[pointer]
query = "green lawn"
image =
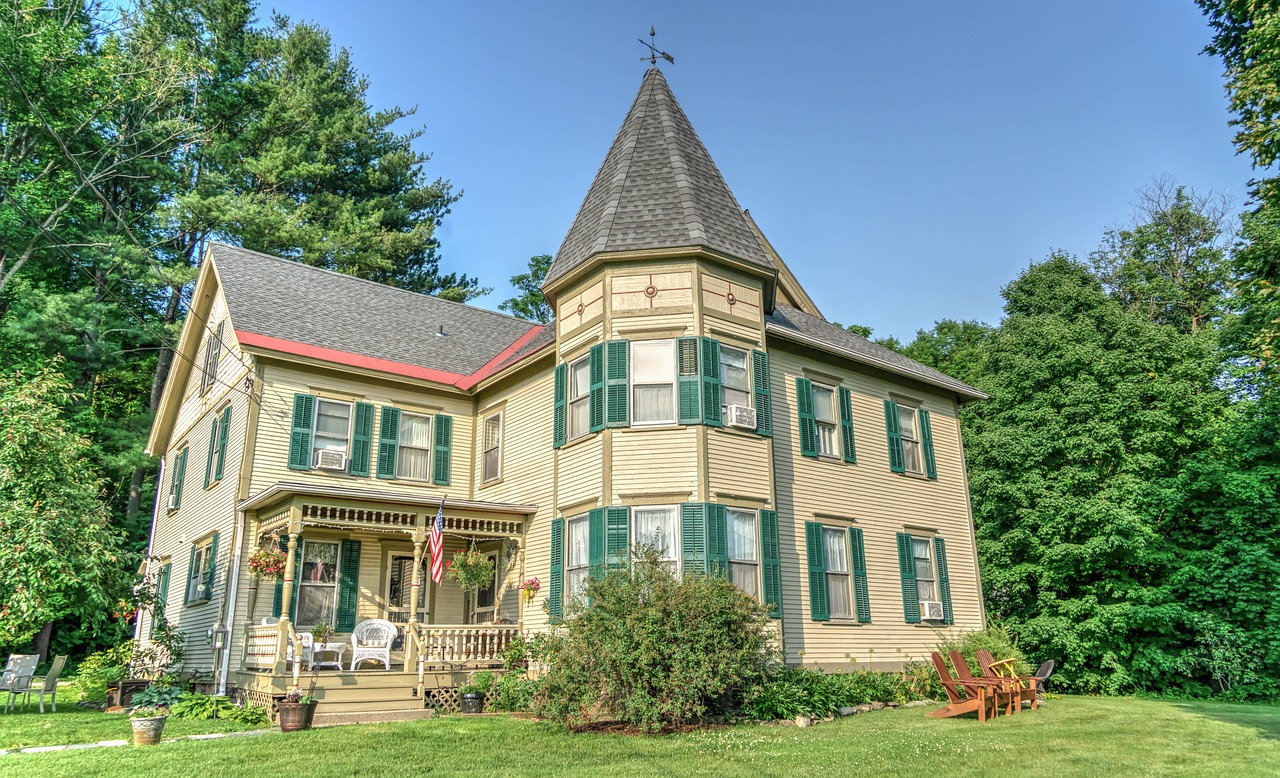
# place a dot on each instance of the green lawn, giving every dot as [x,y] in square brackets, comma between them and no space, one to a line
[1068,736]
[77,725]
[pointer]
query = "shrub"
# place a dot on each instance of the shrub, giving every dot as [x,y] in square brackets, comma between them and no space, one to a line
[201,706]
[100,669]
[155,694]
[788,692]
[250,715]
[996,638]
[481,683]
[513,692]
[651,650]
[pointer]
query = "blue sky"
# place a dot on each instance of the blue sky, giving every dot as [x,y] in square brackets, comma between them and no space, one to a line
[906,159]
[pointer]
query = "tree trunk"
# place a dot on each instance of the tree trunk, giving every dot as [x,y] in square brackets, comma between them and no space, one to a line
[41,641]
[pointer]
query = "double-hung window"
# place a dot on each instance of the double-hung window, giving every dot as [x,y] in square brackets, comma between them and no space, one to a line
[910,430]
[579,393]
[835,550]
[653,382]
[926,579]
[656,527]
[578,534]
[491,467]
[332,427]
[413,454]
[744,551]
[735,377]
[197,573]
[824,415]
[318,583]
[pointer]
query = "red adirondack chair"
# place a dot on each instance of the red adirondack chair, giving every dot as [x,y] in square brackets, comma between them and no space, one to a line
[1023,689]
[999,690]
[962,698]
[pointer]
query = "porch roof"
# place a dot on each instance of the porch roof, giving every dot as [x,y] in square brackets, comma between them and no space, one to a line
[284,489]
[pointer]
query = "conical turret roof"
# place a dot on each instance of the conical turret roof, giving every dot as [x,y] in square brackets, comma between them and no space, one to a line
[658,188]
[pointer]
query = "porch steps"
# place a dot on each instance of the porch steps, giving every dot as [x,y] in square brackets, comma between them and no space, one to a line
[338,718]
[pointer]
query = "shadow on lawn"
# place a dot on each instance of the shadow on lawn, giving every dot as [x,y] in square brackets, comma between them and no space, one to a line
[1265,719]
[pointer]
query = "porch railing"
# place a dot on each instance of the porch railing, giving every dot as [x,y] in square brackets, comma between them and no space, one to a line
[260,648]
[479,643]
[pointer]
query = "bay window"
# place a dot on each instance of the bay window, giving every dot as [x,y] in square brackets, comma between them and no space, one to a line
[653,381]
[744,552]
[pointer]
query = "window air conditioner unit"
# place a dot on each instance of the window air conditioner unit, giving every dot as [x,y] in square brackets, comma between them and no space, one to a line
[330,460]
[173,502]
[931,611]
[742,417]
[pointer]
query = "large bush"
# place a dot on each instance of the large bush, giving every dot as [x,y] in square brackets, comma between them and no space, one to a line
[652,650]
[788,692]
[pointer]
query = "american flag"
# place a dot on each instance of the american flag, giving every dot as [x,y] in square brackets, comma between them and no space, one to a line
[437,545]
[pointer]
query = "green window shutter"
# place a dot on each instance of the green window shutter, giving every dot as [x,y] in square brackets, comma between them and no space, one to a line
[846,426]
[617,352]
[388,440]
[595,402]
[804,413]
[361,440]
[211,568]
[693,537]
[764,397]
[894,433]
[348,585]
[907,570]
[204,366]
[944,577]
[818,606]
[213,443]
[688,382]
[595,540]
[223,428]
[186,581]
[617,541]
[179,478]
[555,584]
[862,598]
[559,430]
[711,406]
[926,443]
[717,540]
[442,458]
[304,407]
[771,562]
[162,595]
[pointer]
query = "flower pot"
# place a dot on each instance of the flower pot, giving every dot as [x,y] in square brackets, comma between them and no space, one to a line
[146,732]
[295,716]
[472,702]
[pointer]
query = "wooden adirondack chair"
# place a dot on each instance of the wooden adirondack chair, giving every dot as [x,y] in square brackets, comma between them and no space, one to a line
[1023,689]
[1000,691]
[973,698]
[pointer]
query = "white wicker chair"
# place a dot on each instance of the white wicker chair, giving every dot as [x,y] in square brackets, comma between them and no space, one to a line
[372,639]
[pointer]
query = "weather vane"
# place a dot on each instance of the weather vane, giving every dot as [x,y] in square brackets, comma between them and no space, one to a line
[653,50]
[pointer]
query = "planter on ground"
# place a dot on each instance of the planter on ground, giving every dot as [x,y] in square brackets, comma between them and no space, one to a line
[147,731]
[295,716]
[472,702]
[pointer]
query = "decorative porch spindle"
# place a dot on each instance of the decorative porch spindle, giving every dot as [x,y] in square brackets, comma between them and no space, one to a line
[416,586]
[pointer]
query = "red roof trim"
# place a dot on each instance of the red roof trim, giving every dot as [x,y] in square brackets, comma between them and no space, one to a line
[492,365]
[253,339]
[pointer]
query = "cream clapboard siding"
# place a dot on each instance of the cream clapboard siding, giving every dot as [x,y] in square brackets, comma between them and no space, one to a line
[281,382]
[882,503]
[651,327]
[654,465]
[739,333]
[202,511]
[738,467]
[527,404]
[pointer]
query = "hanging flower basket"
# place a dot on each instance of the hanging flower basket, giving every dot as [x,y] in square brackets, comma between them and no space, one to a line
[267,563]
[471,569]
[530,589]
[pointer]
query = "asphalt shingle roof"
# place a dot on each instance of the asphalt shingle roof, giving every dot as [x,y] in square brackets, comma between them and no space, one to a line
[787,320]
[657,188]
[285,299]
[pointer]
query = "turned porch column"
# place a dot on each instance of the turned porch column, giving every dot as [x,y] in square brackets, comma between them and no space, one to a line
[286,597]
[415,588]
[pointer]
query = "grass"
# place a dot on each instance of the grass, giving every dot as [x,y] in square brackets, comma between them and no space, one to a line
[1068,736]
[72,724]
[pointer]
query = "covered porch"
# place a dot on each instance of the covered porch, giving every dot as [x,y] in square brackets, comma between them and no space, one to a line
[361,557]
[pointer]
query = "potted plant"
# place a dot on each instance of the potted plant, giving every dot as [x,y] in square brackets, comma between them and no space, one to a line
[296,711]
[473,692]
[148,723]
[322,631]
[267,563]
[530,589]
[471,569]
